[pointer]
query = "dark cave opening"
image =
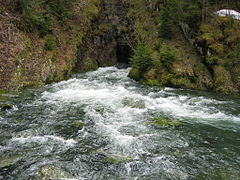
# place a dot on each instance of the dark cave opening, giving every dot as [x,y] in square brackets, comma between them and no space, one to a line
[124,52]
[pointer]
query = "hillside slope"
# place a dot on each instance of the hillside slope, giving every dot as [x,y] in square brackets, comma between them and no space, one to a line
[185,44]
[172,43]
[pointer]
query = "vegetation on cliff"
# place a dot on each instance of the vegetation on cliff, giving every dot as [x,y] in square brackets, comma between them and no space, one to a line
[42,39]
[173,43]
[174,61]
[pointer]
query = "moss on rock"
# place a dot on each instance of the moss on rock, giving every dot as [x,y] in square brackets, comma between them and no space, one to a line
[9,160]
[51,172]
[161,121]
[116,159]
[223,82]
[6,106]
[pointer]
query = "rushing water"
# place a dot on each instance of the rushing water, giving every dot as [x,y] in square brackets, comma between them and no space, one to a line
[119,139]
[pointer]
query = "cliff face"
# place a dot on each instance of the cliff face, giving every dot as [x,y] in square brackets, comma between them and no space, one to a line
[37,44]
[100,47]
[34,52]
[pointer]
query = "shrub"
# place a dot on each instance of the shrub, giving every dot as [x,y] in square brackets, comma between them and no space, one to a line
[165,25]
[61,8]
[142,57]
[35,16]
[167,57]
[213,60]
[50,43]
[41,14]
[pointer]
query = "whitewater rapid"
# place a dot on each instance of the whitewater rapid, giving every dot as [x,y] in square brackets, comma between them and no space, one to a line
[118,139]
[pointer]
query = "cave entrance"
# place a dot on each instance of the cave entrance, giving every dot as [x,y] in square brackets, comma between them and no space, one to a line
[124,52]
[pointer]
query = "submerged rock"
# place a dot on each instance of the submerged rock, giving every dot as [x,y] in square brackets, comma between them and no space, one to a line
[116,159]
[134,103]
[166,122]
[51,172]
[10,96]
[70,129]
[26,133]
[220,173]
[6,106]
[9,160]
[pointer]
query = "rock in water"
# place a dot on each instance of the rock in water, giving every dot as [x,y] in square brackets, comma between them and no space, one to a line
[134,103]
[9,161]
[6,106]
[51,172]
[10,96]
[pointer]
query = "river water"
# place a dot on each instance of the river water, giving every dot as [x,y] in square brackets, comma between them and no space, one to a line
[100,125]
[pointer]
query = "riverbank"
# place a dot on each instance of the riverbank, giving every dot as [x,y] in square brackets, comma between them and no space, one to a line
[40,46]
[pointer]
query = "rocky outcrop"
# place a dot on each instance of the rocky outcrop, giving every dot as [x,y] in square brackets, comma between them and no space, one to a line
[29,57]
[101,46]
[92,37]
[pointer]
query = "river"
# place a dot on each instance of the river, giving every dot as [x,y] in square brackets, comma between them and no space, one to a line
[103,125]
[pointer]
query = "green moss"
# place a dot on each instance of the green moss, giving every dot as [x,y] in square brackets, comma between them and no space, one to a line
[51,172]
[6,106]
[168,56]
[50,43]
[135,74]
[122,29]
[90,65]
[9,160]
[182,82]
[213,60]
[116,159]
[134,103]
[152,82]
[78,125]
[161,121]
[91,9]
[7,95]
[223,81]
[103,28]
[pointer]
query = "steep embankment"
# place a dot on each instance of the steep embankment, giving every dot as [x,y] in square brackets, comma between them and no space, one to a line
[208,60]
[39,39]
[103,45]
[46,41]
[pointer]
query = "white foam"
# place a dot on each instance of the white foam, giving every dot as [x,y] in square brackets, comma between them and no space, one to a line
[103,92]
[42,140]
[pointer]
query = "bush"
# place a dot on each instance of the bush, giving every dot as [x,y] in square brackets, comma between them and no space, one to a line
[213,60]
[167,57]
[142,57]
[35,16]
[50,43]
[42,22]
[41,14]
[165,25]
[61,8]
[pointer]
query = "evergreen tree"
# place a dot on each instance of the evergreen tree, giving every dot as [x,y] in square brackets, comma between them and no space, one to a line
[142,57]
[165,25]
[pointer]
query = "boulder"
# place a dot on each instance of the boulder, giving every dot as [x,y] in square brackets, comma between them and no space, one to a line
[50,172]
[6,106]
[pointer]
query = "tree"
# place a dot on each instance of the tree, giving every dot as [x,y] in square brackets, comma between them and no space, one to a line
[165,25]
[142,57]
